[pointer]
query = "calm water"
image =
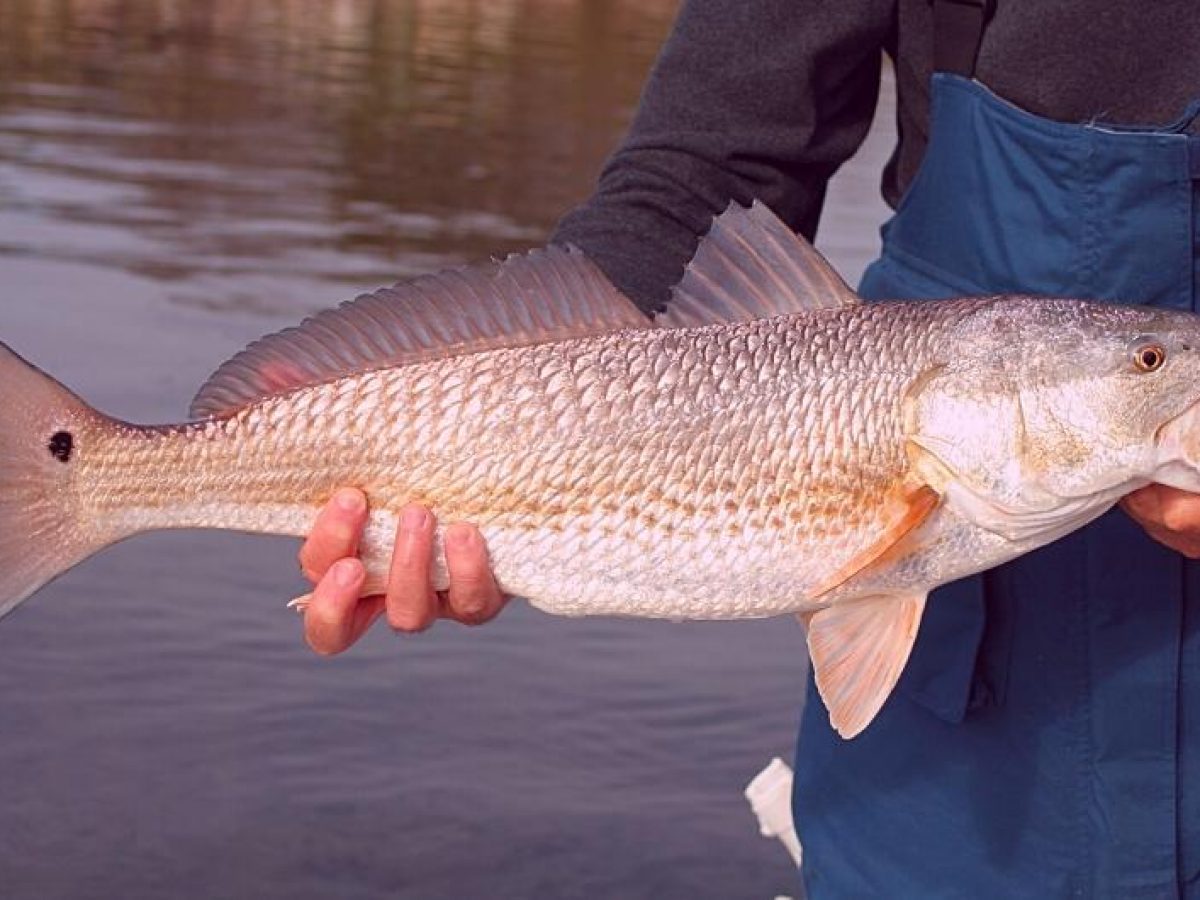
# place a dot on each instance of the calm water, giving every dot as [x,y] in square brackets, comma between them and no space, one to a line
[179,178]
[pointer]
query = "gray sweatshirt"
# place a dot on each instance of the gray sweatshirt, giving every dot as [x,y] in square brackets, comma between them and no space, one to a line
[766,98]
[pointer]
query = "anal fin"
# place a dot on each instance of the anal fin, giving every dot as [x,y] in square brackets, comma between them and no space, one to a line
[858,650]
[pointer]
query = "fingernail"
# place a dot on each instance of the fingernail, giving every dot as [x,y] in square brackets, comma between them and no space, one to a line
[348,501]
[345,573]
[414,518]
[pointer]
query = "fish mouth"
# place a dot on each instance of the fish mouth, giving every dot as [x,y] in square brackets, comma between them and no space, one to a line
[1178,444]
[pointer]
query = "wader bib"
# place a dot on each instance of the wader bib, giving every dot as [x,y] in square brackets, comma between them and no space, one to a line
[1044,740]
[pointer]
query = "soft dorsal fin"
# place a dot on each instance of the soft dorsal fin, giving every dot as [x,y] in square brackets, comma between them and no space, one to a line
[544,295]
[750,265]
[858,650]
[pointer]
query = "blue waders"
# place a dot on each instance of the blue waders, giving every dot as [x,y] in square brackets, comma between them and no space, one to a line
[1044,740]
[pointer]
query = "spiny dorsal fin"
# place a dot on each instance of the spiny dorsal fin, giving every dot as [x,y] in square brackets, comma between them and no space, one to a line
[750,265]
[858,650]
[541,296]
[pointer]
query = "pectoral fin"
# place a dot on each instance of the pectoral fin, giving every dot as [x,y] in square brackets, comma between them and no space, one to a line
[902,515]
[858,651]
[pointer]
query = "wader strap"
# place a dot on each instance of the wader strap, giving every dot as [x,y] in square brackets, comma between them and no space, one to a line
[957,31]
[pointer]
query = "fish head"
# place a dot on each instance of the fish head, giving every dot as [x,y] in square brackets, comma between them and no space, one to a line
[1043,410]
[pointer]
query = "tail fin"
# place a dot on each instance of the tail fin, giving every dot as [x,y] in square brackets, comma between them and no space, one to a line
[43,429]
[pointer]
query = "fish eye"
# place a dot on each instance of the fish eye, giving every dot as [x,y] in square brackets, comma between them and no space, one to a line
[1149,357]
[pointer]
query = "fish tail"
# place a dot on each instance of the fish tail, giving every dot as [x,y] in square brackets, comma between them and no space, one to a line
[42,432]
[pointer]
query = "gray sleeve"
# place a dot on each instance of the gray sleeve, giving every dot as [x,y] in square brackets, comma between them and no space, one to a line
[752,99]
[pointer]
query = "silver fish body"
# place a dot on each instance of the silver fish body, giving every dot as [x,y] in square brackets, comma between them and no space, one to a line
[831,458]
[715,472]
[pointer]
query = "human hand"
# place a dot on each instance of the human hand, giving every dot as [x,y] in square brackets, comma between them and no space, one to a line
[1169,515]
[336,616]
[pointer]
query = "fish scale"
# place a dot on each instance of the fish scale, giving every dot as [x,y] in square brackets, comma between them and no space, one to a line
[712,464]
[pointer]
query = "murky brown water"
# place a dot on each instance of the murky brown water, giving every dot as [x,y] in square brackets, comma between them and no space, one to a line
[178,178]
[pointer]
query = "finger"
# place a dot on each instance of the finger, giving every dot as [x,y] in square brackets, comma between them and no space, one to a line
[1180,511]
[1185,544]
[365,613]
[330,617]
[473,597]
[1144,508]
[1144,505]
[1170,516]
[336,534]
[411,602]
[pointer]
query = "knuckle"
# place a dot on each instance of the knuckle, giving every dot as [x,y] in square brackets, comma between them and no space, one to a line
[469,609]
[321,649]
[459,559]
[408,622]
[468,566]
[316,635]
[1176,518]
[409,609]
[476,616]
[477,608]
[319,624]
[472,582]
[405,593]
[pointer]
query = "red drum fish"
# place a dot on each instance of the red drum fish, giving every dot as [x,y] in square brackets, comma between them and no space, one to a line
[770,444]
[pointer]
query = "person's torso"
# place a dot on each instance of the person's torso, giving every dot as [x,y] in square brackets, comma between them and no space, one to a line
[1125,62]
[1044,740]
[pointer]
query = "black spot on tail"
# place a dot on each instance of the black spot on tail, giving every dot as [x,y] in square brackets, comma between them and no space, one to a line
[62,444]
